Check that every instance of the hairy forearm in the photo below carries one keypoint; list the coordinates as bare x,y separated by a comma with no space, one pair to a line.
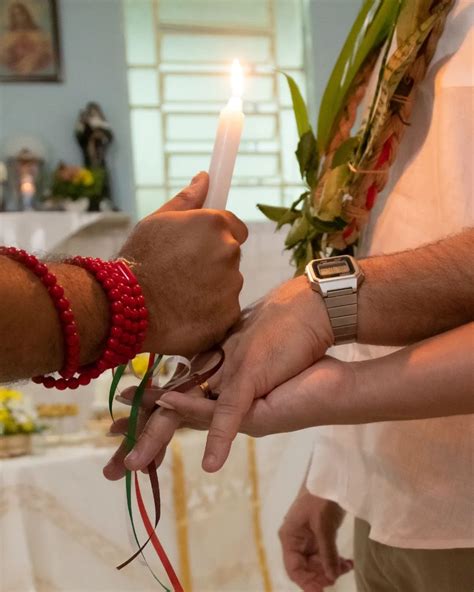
434,378
409,296
30,333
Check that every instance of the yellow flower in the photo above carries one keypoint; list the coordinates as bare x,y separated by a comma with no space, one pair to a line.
10,395
140,364
27,427
83,177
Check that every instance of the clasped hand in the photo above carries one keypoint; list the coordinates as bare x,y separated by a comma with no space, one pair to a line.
266,384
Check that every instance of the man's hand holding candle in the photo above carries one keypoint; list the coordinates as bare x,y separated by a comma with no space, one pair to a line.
187,263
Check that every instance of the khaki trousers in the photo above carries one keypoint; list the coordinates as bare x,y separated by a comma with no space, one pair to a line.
380,568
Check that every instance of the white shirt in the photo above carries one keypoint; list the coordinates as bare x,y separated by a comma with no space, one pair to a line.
413,481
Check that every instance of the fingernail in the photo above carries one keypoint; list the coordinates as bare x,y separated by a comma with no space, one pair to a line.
165,405
209,463
132,457
123,400
195,179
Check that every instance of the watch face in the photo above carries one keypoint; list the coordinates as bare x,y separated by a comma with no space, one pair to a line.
333,267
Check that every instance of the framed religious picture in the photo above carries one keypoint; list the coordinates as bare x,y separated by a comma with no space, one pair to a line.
29,41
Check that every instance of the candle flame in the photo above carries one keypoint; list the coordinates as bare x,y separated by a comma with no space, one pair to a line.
237,79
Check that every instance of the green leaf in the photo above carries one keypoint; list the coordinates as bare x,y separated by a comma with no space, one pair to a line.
278,214
273,213
301,198
370,29
345,152
308,156
412,14
330,205
299,106
299,231
288,218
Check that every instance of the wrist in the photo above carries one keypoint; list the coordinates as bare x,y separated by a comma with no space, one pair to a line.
315,313
90,306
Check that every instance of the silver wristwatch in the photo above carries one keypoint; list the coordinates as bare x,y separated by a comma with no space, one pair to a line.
337,279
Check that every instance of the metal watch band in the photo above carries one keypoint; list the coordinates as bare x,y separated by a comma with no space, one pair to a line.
342,310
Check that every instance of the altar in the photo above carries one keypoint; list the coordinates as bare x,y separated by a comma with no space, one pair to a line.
220,531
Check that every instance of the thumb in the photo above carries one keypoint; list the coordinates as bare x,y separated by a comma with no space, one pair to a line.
328,553
191,197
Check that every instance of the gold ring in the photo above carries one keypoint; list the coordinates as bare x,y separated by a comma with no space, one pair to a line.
208,393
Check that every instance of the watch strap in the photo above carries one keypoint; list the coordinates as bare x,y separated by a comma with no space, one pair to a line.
342,310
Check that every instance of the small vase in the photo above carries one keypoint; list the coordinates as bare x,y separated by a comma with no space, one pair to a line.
15,445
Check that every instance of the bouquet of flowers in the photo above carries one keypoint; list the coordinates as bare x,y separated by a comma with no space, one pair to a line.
17,414
74,182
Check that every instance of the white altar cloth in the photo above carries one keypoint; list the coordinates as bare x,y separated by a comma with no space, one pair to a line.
63,527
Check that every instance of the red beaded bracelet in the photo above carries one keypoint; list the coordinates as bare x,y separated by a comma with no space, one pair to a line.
60,302
128,315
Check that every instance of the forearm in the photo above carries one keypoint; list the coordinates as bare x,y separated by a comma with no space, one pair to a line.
434,378
409,296
30,333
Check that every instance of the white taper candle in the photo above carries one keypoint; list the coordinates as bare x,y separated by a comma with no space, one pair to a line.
226,145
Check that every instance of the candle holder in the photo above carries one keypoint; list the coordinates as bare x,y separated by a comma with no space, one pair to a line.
25,173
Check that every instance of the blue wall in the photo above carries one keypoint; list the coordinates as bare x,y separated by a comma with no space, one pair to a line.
93,48
328,24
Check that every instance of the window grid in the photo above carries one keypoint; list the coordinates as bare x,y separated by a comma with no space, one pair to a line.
281,184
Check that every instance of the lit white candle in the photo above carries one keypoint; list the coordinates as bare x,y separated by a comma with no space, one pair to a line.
226,145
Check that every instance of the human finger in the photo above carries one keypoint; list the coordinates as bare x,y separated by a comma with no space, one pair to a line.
155,436
328,552
232,404
191,197
189,407
237,228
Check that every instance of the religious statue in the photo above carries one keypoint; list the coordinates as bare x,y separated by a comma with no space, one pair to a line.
94,135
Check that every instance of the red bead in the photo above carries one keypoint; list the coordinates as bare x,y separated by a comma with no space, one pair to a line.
61,384
72,339
109,284
116,332
30,261
70,328
118,319
66,316
102,365
84,379
140,300
143,325
62,303
73,383
114,294
41,269
108,355
117,307
37,379
49,279
49,382
57,292
136,290
112,343
94,373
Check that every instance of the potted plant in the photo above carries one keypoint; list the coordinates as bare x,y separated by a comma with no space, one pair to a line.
78,188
